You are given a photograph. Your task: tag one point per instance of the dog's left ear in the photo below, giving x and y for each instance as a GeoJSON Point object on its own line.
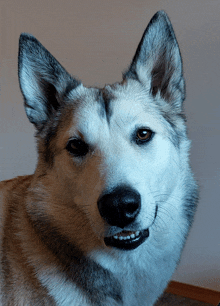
{"type": "Point", "coordinates": [157, 63]}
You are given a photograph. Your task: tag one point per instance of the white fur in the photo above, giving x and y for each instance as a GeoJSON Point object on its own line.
{"type": "Point", "coordinates": [33, 95]}
{"type": "Point", "coordinates": [64, 292]}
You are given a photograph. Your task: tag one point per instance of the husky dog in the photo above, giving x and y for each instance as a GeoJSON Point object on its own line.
{"type": "Point", "coordinates": [105, 216]}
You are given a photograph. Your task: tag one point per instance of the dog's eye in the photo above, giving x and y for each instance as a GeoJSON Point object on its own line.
{"type": "Point", "coordinates": [77, 147]}
{"type": "Point", "coordinates": [143, 135]}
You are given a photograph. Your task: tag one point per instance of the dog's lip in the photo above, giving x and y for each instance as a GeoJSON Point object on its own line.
{"type": "Point", "coordinates": [135, 228]}
{"type": "Point", "coordinates": [123, 243]}
{"type": "Point", "coordinates": [137, 237]}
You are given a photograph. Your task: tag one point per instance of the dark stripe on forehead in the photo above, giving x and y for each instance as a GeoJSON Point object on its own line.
{"type": "Point", "coordinates": [106, 98]}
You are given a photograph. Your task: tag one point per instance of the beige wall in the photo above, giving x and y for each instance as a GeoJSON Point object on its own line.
{"type": "Point", "coordinates": [95, 40]}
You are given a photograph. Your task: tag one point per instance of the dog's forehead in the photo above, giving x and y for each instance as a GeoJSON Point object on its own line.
{"type": "Point", "coordinates": [129, 104]}
{"type": "Point", "coordinates": [119, 105]}
{"type": "Point", "coordinates": [89, 113]}
{"type": "Point", "coordinates": [128, 100]}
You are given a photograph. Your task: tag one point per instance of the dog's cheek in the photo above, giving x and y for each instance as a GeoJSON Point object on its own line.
{"type": "Point", "coordinates": [165, 167]}
{"type": "Point", "coordinates": [90, 182]}
{"type": "Point", "coordinates": [80, 178]}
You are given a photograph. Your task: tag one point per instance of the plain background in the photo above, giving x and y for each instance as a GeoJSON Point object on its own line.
{"type": "Point", "coordinates": [96, 40]}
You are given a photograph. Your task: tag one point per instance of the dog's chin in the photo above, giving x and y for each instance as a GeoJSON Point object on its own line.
{"type": "Point", "coordinates": [127, 240]}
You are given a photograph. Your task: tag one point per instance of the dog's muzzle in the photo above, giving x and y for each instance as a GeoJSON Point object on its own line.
{"type": "Point", "coordinates": [119, 208]}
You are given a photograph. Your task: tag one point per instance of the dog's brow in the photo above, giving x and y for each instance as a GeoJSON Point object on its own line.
{"type": "Point", "coordinates": [131, 118]}
{"type": "Point", "coordinates": [128, 119]}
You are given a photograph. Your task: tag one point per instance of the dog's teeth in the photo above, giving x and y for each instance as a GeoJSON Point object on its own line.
{"type": "Point", "coordinates": [127, 237]}
{"type": "Point", "coordinates": [131, 236]}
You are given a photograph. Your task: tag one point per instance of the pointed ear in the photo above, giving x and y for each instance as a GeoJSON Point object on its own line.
{"type": "Point", "coordinates": [43, 81]}
{"type": "Point", "coordinates": [157, 62]}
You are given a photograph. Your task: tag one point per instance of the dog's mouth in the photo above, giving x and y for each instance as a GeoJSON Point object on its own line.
{"type": "Point", "coordinates": [127, 240]}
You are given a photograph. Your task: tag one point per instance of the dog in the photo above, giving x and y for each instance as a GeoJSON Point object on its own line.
{"type": "Point", "coordinates": [105, 216]}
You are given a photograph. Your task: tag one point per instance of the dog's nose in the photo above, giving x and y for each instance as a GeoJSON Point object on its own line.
{"type": "Point", "coordinates": [120, 207]}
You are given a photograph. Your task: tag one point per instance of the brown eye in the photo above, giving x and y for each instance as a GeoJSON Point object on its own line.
{"type": "Point", "coordinates": [77, 147]}
{"type": "Point", "coordinates": [143, 135]}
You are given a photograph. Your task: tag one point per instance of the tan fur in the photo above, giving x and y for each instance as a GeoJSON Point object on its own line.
{"type": "Point", "coordinates": [23, 252]}
{"type": "Point", "coordinates": [17, 234]}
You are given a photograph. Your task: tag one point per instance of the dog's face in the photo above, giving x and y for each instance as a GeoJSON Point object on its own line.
{"type": "Point", "coordinates": [108, 153]}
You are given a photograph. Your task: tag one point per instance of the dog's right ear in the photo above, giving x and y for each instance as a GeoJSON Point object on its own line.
{"type": "Point", "coordinates": [43, 81]}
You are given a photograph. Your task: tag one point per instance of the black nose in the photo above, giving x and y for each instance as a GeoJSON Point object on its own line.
{"type": "Point", "coordinates": [120, 207]}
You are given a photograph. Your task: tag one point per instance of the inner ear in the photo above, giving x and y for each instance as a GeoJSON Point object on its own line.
{"type": "Point", "coordinates": [161, 74]}
{"type": "Point", "coordinates": [51, 96]}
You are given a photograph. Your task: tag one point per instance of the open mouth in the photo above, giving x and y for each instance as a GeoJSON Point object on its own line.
{"type": "Point", "coordinates": [127, 240]}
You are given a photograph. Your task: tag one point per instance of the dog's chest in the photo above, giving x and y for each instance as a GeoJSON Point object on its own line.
{"type": "Point", "coordinates": [63, 291]}
{"type": "Point", "coordinates": [67, 293]}
{"type": "Point", "coordinates": [139, 274]}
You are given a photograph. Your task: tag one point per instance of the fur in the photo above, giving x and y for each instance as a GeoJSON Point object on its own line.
{"type": "Point", "coordinates": [97, 177]}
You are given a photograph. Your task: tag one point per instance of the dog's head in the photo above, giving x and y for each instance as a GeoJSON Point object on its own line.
{"type": "Point", "coordinates": [110, 156]}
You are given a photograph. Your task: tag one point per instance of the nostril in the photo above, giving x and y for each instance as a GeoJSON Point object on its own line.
{"type": "Point", "coordinates": [132, 208]}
